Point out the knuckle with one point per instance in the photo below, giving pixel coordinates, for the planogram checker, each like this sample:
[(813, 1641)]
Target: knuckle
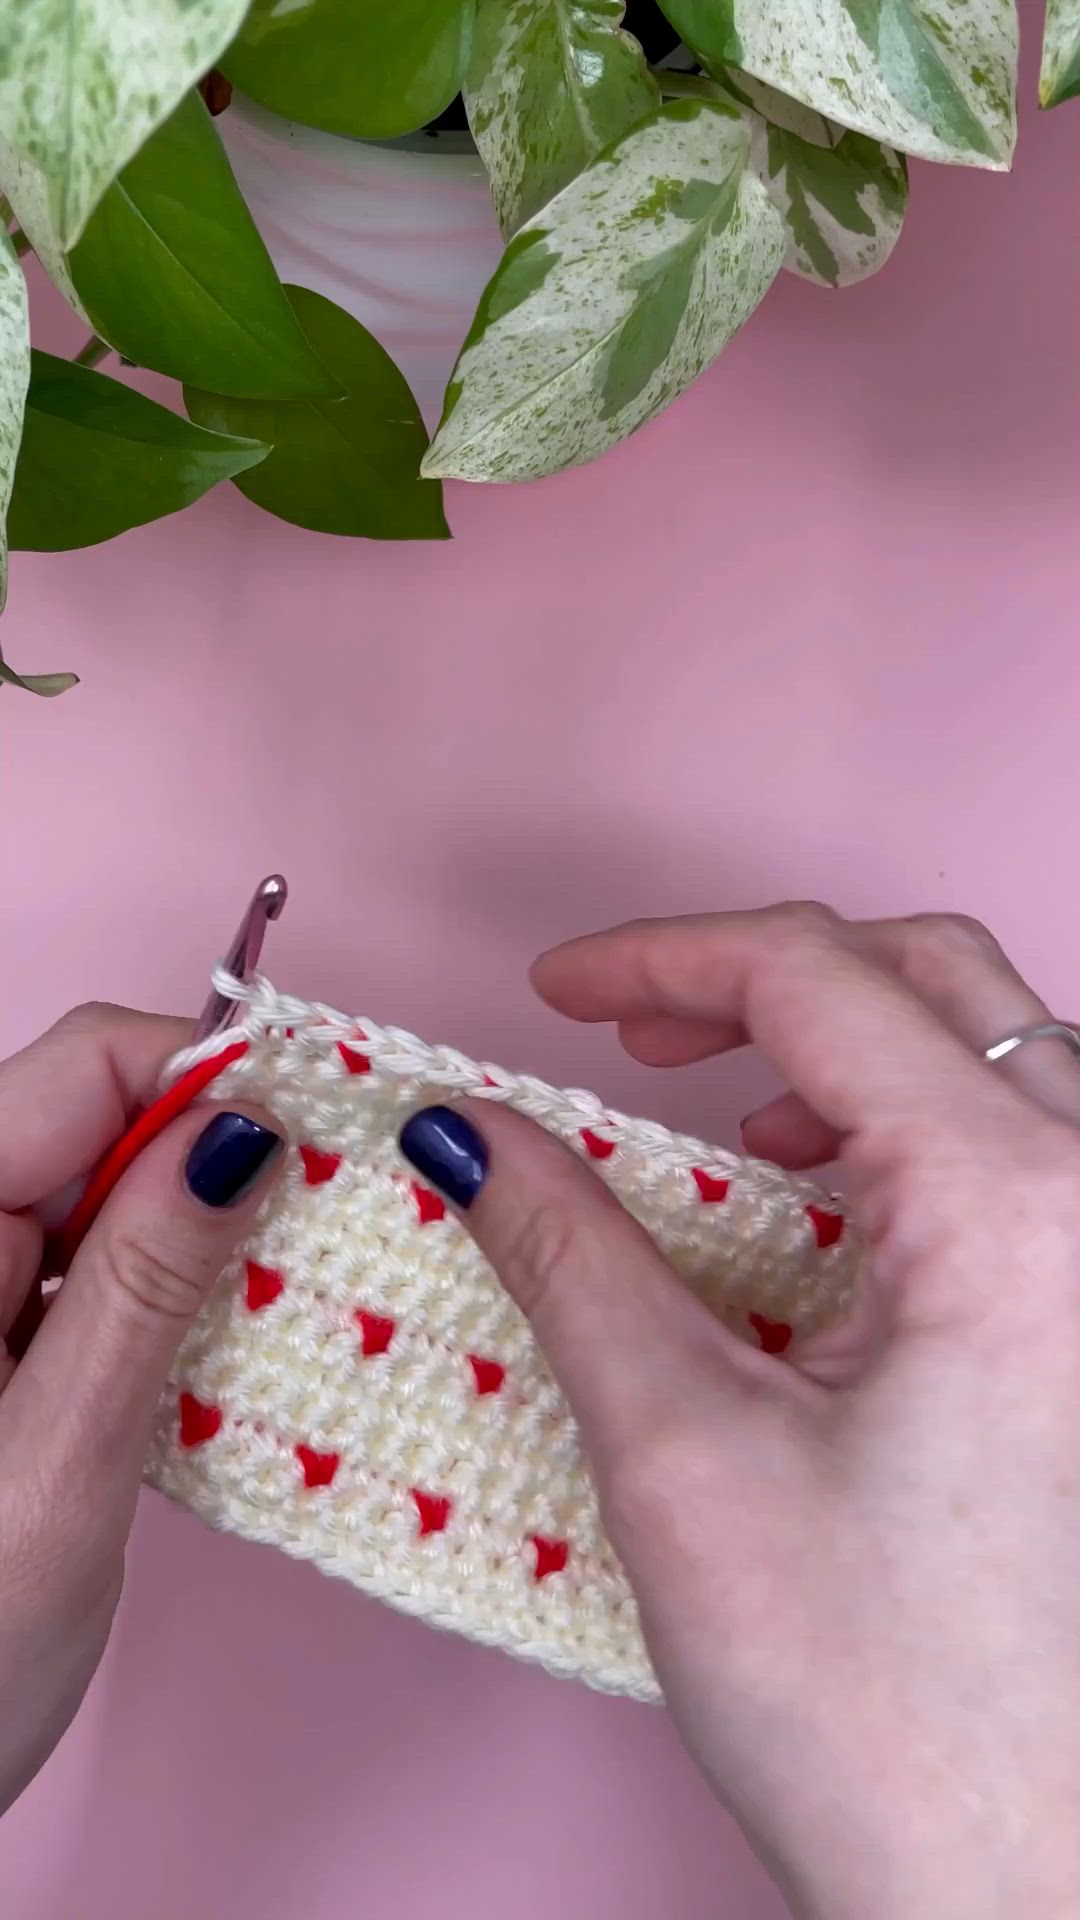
[(800, 932), (541, 1254), (91, 1016), (642, 926), (942, 955), (648, 942), (954, 936), (797, 921), (156, 1280)]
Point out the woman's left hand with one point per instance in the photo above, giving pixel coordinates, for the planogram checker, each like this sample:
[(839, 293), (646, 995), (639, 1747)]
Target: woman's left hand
[(75, 1413)]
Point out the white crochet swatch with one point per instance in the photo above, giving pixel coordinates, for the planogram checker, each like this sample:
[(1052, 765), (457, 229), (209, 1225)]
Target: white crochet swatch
[(361, 1392)]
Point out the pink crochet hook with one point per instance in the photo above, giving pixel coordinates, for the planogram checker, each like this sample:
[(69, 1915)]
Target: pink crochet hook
[(267, 903)]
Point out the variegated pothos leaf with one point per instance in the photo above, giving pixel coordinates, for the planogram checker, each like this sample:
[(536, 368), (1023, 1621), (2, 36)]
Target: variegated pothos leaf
[(935, 78), (14, 380), (549, 84), (1059, 75), (28, 195), (842, 196), (82, 84), (843, 206), (779, 109), (613, 299)]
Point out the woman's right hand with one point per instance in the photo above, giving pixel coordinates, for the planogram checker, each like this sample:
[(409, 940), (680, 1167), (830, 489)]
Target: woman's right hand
[(859, 1573)]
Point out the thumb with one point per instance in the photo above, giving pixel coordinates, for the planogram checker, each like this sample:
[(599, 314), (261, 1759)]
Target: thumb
[(92, 1376), (628, 1341)]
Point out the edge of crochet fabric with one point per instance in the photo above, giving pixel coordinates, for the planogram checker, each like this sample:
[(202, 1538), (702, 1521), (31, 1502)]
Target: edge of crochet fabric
[(361, 1392)]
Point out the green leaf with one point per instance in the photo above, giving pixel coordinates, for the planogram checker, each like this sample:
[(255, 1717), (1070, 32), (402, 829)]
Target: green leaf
[(14, 375), (97, 458), (360, 67), (349, 466), (843, 197), (611, 301), (935, 78), (550, 83), (172, 272), (1059, 75), (48, 685), (843, 206), (82, 84)]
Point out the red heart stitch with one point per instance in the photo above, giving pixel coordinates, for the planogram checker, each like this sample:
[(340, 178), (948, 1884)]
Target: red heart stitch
[(597, 1149), (319, 1167), (354, 1062), (551, 1555), (376, 1331), (709, 1187), (827, 1226), (428, 1204), (773, 1335), (434, 1511), (263, 1285), (488, 1374), (197, 1423), (319, 1468)]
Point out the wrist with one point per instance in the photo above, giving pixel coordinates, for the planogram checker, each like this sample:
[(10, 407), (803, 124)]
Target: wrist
[(880, 1841), (922, 1869)]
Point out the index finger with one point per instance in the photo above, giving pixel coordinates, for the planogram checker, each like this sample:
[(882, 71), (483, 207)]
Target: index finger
[(847, 1035), (70, 1094)]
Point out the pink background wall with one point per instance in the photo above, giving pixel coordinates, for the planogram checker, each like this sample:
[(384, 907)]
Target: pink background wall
[(812, 633)]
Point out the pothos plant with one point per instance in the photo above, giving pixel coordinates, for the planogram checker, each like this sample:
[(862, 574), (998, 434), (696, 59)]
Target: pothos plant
[(651, 184)]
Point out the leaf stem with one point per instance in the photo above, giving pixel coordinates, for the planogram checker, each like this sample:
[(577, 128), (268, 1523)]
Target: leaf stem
[(678, 85), (94, 350)]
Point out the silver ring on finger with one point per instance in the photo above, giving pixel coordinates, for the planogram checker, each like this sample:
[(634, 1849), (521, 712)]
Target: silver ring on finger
[(1044, 1030)]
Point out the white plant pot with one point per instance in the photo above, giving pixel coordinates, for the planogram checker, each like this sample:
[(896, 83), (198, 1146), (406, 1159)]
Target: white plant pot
[(402, 234)]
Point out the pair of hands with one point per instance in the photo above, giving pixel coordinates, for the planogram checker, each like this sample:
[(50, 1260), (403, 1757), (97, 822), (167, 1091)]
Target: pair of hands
[(859, 1573)]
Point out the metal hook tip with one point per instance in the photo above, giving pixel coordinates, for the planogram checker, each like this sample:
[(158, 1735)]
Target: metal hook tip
[(266, 904), (271, 895)]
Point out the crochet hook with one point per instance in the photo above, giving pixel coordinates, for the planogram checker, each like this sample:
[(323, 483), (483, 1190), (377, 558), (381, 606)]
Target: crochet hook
[(267, 903)]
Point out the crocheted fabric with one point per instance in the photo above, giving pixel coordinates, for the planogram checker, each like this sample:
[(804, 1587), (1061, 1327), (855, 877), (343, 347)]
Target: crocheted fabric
[(360, 1390)]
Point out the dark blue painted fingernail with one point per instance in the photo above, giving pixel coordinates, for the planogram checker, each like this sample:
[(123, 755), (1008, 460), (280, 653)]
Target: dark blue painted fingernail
[(228, 1158), (446, 1148)]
